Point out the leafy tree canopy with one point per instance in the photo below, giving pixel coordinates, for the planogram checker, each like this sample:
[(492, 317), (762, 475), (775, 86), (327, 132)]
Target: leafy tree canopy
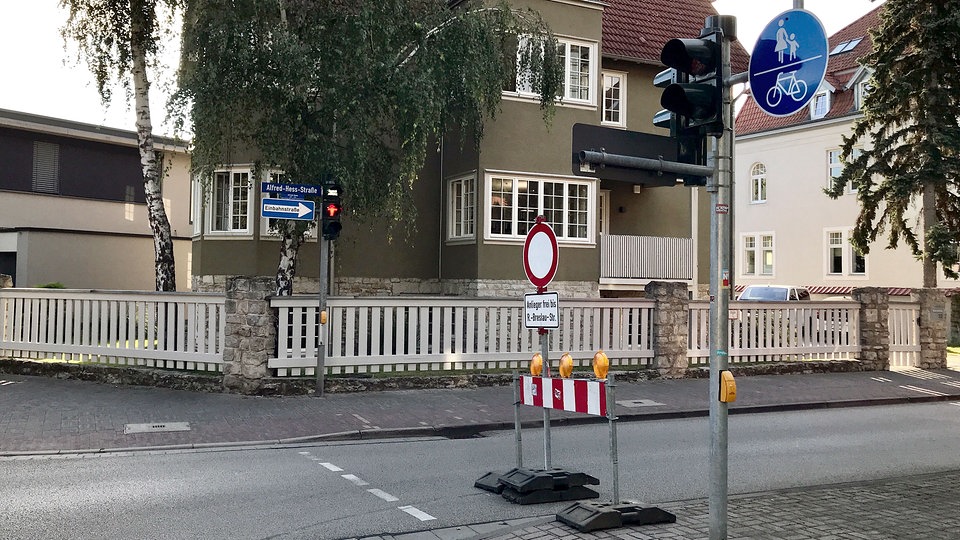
[(352, 88), (910, 120)]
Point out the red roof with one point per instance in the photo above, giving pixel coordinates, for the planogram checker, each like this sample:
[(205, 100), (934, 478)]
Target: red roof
[(638, 29), (840, 69)]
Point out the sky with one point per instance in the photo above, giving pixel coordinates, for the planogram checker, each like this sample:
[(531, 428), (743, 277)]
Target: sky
[(40, 77)]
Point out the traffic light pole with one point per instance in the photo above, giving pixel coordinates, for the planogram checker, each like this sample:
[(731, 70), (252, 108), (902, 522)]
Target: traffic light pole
[(322, 334), (720, 188)]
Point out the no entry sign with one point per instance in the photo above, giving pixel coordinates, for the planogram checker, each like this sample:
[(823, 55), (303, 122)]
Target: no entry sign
[(540, 254)]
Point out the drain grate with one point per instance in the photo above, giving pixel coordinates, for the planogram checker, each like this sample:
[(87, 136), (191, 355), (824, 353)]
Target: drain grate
[(156, 427)]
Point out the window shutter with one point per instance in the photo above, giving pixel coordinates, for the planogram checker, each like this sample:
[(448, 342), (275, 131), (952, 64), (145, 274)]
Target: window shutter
[(46, 167)]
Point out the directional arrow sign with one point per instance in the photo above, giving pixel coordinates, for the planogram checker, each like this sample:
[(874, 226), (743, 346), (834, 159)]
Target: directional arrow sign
[(287, 209)]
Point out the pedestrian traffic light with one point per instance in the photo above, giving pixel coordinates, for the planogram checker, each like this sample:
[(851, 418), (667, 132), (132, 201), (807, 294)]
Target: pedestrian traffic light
[(330, 210), (699, 99)]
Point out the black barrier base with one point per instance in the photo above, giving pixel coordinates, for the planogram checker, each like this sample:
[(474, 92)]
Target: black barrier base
[(593, 516), (489, 482), (532, 486)]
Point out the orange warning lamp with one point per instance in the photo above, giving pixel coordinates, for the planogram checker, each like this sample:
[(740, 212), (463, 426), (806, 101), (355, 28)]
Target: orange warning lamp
[(536, 365), (566, 365), (601, 364)]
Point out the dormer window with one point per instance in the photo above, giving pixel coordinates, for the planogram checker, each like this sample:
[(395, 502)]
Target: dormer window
[(820, 105), (863, 89)]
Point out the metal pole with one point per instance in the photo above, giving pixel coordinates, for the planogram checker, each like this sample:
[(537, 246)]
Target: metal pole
[(797, 4), (324, 246), (516, 417), (720, 235), (544, 347), (612, 417)]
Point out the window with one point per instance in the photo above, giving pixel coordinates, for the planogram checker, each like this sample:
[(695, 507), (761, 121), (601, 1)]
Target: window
[(846, 46), (820, 105), (863, 90), (462, 208), (614, 98), (46, 167), (758, 183), (580, 73), (758, 255), (842, 258), (516, 202), (835, 166), (230, 202)]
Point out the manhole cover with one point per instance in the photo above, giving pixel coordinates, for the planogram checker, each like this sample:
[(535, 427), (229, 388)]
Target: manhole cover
[(631, 403), (156, 427)]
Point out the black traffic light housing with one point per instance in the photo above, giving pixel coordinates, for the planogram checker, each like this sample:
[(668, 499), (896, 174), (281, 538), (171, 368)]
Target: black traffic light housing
[(691, 141), (330, 210), (697, 94)]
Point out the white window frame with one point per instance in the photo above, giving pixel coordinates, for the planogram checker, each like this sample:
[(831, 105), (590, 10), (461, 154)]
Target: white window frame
[(758, 183), (619, 78), (864, 87), (211, 202), (758, 246), (823, 97), (519, 227), (848, 255), (835, 166), (523, 89), (462, 208)]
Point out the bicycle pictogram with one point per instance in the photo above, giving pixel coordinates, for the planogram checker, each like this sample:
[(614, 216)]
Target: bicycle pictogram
[(787, 83)]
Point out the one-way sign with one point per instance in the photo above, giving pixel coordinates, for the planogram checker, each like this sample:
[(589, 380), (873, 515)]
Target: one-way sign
[(287, 209)]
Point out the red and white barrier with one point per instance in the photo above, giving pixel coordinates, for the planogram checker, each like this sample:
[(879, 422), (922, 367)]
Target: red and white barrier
[(574, 395)]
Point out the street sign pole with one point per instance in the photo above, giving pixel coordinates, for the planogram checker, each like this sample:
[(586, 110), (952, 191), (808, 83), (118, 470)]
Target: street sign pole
[(720, 236), (324, 245)]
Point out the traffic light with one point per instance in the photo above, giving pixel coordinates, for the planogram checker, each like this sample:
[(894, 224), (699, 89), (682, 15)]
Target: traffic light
[(330, 211), (699, 98), (691, 141)]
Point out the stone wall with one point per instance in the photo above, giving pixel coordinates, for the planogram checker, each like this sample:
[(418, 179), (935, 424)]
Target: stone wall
[(670, 327), (874, 328), (6, 281), (251, 333), (933, 328)]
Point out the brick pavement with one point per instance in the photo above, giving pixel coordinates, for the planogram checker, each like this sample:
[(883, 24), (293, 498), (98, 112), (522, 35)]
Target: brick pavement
[(921, 507)]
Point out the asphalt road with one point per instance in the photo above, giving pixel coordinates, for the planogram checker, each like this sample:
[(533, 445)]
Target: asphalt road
[(342, 490)]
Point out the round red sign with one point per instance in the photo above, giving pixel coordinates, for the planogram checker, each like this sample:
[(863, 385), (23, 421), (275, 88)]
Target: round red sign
[(540, 254)]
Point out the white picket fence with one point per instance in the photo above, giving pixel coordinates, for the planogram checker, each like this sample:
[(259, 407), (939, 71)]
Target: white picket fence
[(167, 330), (369, 335)]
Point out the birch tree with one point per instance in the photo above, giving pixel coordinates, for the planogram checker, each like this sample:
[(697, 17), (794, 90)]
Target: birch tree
[(119, 40), (910, 118), (353, 89)]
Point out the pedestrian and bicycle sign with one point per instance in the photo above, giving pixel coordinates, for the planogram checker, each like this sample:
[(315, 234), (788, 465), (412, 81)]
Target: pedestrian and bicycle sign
[(788, 62), (288, 209)]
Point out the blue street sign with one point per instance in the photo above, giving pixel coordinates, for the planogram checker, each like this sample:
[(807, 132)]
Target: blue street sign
[(291, 191), (287, 209), (788, 62)]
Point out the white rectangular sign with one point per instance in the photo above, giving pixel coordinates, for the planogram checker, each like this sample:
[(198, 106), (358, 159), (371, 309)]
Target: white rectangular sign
[(541, 310)]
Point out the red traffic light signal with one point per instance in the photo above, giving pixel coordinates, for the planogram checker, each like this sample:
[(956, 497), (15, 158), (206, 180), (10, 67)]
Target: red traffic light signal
[(332, 209)]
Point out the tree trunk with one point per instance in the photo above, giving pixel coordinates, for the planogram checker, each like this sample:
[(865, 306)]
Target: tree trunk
[(156, 214), (290, 242), (929, 220)]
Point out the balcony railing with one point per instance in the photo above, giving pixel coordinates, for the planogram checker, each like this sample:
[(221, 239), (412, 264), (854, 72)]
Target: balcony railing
[(645, 257)]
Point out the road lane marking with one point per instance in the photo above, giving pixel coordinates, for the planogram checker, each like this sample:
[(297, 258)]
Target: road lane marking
[(955, 384), (4, 382), (331, 467), (417, 513), (362, 419), (383, 495), (923, 390), (918, 373), (355, 479), (881, 379)]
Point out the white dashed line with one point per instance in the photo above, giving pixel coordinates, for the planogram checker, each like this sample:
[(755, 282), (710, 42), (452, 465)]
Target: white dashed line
[(957, 403), (362, 419), (383, 495), (881, 379), (355, 479), (923, 390), (331, 467), (304, 453), (918, 373), (955, 384), (5, 382), (417, 513)]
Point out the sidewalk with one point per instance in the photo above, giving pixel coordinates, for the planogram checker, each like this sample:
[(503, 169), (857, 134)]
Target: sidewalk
[(39, 414), (42, 415)]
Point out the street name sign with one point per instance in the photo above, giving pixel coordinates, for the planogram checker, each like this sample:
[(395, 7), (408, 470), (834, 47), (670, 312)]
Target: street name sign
[(287, 209), (291, 191), (788, 62)]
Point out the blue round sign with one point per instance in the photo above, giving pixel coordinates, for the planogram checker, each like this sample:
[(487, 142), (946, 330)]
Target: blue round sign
[(788, 62)]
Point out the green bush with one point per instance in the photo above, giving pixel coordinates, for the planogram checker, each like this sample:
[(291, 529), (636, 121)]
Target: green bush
[(53, 285)]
